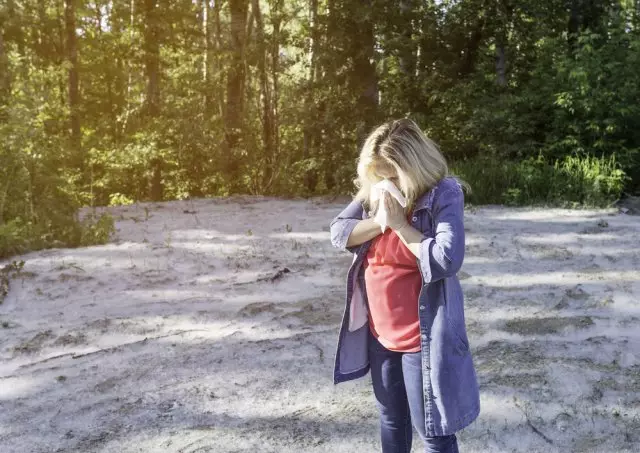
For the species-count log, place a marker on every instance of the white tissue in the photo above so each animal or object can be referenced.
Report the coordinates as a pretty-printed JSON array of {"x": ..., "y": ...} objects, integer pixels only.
[{"x": 377, "y": 192}]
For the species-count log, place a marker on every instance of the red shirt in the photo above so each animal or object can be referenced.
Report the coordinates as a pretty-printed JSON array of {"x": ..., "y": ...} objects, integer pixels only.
[{"x": 393, "y": 283}]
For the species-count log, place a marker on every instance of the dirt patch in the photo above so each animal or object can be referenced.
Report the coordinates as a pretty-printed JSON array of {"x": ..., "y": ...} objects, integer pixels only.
[
  {"x": 257, "y": 308},
  {"x": 501, "y": 356},
  {"x": 546, "y": 326},
  {"x": 101, "y": 325},
  {"x": 35, "y": 343},
  {"x": 71, "y": 339},
  {"x": 521, "y": 381},
  {"x": 107, "y": 384},
  {"x": 547, "y": 252},
  {"x": 312, "y": 315},
  {"x": 65, "y": 277}
]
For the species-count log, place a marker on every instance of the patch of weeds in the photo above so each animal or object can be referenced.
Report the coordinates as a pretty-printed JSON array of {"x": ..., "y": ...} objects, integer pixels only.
[
  {"x": 168, "y": 240},
  {"x": 35, "y": 343},
  {"x": 71, "y": 265},
  {"x": 256, "y": 308},
  {"x": 501, "y": 357},
  {"x": 70, "y": 339},
  {"x": 8, "y": 272},
  {"x": 545, "y": 326}
]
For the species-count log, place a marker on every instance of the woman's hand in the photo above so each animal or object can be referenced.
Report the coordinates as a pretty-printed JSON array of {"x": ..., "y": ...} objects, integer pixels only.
[{"x": 396, "y": 217}]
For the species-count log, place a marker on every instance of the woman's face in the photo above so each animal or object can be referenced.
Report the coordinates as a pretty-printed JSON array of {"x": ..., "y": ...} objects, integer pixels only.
[{"x": 386, "y": 171}]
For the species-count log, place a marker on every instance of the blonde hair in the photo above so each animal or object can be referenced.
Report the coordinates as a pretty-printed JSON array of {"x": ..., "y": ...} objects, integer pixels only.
[{"x": 402, "y": 145}]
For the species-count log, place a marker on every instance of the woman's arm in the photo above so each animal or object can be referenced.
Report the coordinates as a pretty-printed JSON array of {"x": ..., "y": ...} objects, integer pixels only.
[
  {"x": 440, "y": 256},
  {"x": 349, "y": 230},
  {"x": 364, "y": 231},
  {"x": 410, "y": 236}
]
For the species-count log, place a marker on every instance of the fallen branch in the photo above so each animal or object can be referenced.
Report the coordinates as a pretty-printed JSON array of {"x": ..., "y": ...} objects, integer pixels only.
[
  {"x": 115, "y": 348},
  {"x": 73, "y": 355},
  {"x": 277, "y": 276},
  {"x": 533, "y": 428}
]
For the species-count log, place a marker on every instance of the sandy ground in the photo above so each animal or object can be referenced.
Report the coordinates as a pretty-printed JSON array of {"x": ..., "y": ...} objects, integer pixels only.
[{"x": 210, "y": 326}]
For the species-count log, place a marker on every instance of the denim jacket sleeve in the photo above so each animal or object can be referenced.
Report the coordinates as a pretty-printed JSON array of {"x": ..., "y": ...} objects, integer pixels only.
[
  {"x": 342, "y": 226},
  {"x": 441, "y": 256}
]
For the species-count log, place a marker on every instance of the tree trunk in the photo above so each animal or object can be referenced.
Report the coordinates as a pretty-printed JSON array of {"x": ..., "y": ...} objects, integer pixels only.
[
  {"x": 234, "y": 113},
  {"x": 309, "y": 137},
  {"x": 364, "y": 78},
  {"x": 74, "y": 93},
  {"x": 207, "y": 58},
  {"x": 152, "y": 58},
  {"x": 265, "y": 95},
  {"x": 152, "y": 70},
  {"x": 468, "y": 62},
  {"x": 219, "y": 93},
  {"x": 573, "y": 26},
  {"x": 5, "y": 78},
  {"x": 275, "y": 68},
  {"x": 406, "y": 52},
  {"x": 501, "y": 64}
]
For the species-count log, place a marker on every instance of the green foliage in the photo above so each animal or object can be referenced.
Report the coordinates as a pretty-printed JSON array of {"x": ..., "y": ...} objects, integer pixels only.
[
  {"x": 171, "y": 106},
  {"x": 118, "y": 199},
  {"x": 19, "y": 236},
  {"x": 7, "y": 272},
  {"x": 95, "y": 230},
  {"x": 570, "y": 181}
]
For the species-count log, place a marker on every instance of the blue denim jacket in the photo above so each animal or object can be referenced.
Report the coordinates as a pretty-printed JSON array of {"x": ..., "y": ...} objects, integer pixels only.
[{"x": 451, "y": 394}]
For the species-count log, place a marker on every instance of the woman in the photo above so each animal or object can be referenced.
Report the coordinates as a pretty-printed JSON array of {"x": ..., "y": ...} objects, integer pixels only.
[{"x": 404, "y": 316}]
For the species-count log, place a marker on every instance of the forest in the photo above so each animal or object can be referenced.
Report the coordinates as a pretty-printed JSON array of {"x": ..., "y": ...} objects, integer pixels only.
[{"x": 112, "y": 102}]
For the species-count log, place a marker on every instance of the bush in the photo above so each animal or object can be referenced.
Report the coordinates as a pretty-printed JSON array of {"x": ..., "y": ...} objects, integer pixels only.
[
  {"x": 572, "y": 181},
  {"x": 18, "y": 236}
]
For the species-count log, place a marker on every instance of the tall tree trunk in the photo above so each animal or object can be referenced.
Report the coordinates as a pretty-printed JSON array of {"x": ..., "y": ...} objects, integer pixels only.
[
  {"x": 406, "y": 51},
  {"x": 265, "y": 95},
  {"x": 275, "y": 73},
  {"x": 501, "y": 63},
  {"x": 364, "y": 77},
  {"x": 60, "y": 58},
  {"x": 207, "y": 58},
  {"x": 573, "y": 25},
  {"x": 74, "y": 93},
  {"x": 127, "y": 94},
  {"x": 503, "y": 14},
  {"x": 219, "y": 88},
  {"x": 5, "y": 76},
  {"x": 13, "y": 28},
  {"x": 152, "y": 58},
  {"x": 117, "y": 94},
  {"x": 234, "y": 114},
  {"x": 468, "y": 62},
  {"x": 309, "y": 131},
  {"x": 152, "y": 70}
]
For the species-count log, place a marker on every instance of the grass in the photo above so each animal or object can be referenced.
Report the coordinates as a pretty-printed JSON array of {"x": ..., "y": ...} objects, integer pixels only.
[{"x": 573, "y": 181}]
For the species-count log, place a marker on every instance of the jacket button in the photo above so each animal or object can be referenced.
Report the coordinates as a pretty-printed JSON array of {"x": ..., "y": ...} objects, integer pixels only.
[
  {"x": 424, "y": 337},
  {"x": 422, "y": 307}
]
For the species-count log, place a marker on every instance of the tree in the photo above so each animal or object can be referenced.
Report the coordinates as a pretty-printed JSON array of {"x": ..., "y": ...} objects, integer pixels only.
[
  {"x": 74, "y": 91},
  {"x": 234, "y": 112}
]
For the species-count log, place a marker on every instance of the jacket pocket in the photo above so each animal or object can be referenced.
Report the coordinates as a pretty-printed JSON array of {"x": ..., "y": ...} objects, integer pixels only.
[{"x": 454, "y": 311}]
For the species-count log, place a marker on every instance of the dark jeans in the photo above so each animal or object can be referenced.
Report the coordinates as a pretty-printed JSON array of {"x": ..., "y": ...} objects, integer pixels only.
[{"x": 397, "y": 386}]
